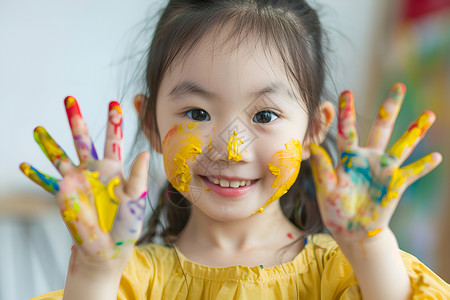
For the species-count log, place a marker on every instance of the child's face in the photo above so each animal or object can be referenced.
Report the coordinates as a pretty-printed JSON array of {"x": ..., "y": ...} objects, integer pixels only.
[{"x": 244, "y": 112}]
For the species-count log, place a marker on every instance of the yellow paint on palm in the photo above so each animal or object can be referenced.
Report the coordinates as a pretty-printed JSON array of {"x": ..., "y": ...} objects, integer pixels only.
[
  {"x": 233, "y": 147},
  {"x": 285, "y": 165},
  {"x": 188, "y": 145},
  {"x": 415, "y": 131},
  {"x": 69, "y": 214},
  {"x": 106, "y": 202}
]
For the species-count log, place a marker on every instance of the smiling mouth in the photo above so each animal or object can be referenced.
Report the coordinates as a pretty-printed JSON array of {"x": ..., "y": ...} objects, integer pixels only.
[{"x": 228, "y": 183}]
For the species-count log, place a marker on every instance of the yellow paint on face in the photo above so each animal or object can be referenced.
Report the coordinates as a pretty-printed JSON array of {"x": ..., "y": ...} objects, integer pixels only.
[
  {"x": 233, "y": 147},
  {"x": 180, "y": 146},
  {"x": 106, "y": 202},
  {"x": 285, "y": 165}
]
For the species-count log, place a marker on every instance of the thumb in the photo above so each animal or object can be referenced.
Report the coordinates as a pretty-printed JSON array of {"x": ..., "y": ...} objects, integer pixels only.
[
  {"x": 137, "y": 181},
  {"x": 322, "y": 169}
]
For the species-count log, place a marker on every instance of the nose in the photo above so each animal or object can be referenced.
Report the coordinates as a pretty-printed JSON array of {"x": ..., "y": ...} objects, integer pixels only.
[{"x": 230, "y": 143}]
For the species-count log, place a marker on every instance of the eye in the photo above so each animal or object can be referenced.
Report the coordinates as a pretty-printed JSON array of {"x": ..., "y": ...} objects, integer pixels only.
[
  {"x": 197, "y": 114},
  {"x": 265, "y": 116}
]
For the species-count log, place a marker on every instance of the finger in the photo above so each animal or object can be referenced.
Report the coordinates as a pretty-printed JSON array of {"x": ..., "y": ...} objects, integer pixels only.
[
  {"x": 47, "y": 182},
  {"x": 387, "y": 114},
  {"x": 323, "y": 171},
  {"x": 405, "y": 176},
  {"x": 416, "y": 131},
  {"x": 113, "y": 143},
  {"x": 137, "y": 182},
  {"x": 347, "y": 132},
  {"x": 52, "y": 150},
  {"x": 416, "y": 170},
  {"x": 128, "y": 224},
  {"x": 83, "y": 144}
]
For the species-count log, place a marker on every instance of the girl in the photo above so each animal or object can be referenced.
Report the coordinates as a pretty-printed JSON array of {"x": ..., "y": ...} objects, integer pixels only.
[{"x": 234, "y": 106}]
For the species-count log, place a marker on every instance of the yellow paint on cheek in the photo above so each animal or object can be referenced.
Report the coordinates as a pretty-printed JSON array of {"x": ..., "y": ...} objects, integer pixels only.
[
  {"x": 188, "y": 145},
  {"x": 285, "y": 165},
  {"x": 233, "y": 147}
]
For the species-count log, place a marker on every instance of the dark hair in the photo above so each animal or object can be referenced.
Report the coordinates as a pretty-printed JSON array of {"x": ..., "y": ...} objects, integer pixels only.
[{"x": 290, "y": 27}]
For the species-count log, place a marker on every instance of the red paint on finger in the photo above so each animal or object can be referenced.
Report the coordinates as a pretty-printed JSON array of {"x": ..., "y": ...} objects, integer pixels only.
[
  {"x": 72, "y": 109},
  {"x": 116, "y": 149},
  {"x": 115, "y": 118}
]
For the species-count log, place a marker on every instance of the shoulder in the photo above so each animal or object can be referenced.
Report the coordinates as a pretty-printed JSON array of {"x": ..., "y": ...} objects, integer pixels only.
[
  {"x": 322, "y": 246},
  {"x": 152, "y": 256}
]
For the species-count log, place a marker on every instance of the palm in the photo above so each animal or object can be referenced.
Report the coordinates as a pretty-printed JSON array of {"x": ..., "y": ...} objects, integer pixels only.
[
  {"x": 358, "y": 198},
  {"x": 101, "y": 209}
]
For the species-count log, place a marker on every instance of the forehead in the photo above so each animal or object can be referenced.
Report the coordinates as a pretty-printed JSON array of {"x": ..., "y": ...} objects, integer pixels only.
[{"x": 223, "y": 53}]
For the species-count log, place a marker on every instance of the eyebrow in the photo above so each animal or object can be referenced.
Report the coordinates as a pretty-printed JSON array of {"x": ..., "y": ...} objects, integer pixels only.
[
  {"x": 189, "y": 87},
  {"x": 275, "y": 88}
]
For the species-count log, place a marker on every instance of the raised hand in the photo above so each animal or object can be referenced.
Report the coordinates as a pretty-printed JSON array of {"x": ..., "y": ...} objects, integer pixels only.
[
  {"x": 358, "y": 198},
  {"x": 102, "y": 210}
]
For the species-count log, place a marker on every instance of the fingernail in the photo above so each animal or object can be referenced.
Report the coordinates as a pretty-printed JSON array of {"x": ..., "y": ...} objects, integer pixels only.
[
  {"x": 115, "y": 105},
  {"x": 397, "y": 91},
  {"x": 69, "y": 101},
  {"x": 344, "y": 98}
]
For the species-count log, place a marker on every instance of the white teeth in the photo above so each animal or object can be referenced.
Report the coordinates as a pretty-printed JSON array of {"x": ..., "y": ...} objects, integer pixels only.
[
  {"x": 226, "y": 183},
  {"x": 234, "y": 184}
]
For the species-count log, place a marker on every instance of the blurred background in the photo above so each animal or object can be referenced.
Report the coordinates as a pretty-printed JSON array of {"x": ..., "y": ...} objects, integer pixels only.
[{"x": 92, "y": 50}]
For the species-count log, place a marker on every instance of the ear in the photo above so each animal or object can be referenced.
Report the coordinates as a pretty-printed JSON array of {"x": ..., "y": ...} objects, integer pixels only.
[
  {"x": 320, "y": 127},
  {"x": 149, "y": 129}
]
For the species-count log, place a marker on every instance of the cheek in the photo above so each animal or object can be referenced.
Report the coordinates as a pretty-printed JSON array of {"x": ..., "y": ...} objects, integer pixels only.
[
  {"x": 284, "y": 165},
  {"x": 180, "y": 147}
]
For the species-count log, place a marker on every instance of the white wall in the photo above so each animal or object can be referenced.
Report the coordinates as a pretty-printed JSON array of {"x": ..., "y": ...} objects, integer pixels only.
[{"x": 50, "y": 49}]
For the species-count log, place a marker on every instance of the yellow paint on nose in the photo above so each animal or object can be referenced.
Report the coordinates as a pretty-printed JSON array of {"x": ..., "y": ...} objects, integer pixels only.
[{"x": 233, "y": 147}]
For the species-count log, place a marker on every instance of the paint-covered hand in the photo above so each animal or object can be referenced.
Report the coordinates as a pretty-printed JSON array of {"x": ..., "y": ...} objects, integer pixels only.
[
  {"x": 358, "y": 198},
  {"x": 102, "y": 210}
]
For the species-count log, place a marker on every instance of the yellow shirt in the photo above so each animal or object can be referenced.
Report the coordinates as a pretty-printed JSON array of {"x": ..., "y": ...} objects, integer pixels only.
[{"x": 320, "y": 271}]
